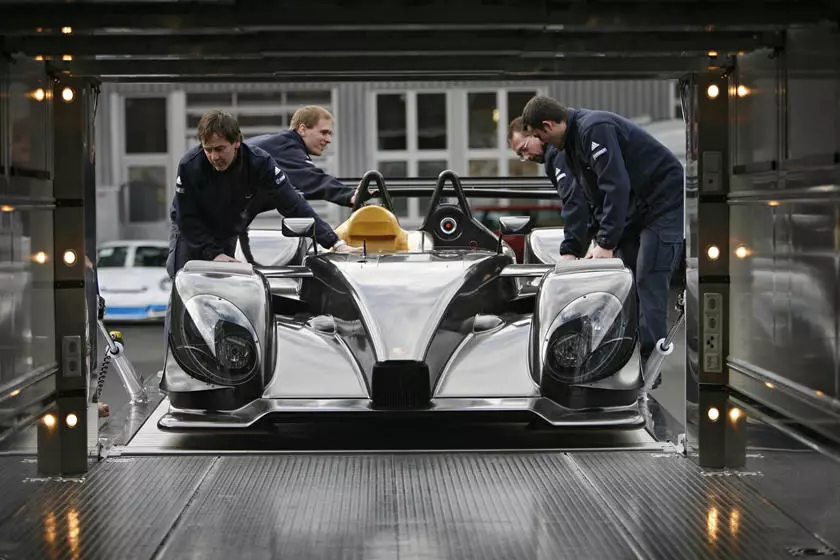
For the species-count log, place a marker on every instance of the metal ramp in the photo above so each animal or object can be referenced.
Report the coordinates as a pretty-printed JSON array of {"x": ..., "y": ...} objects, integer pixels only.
[
  {"x": 595, "y": 495},
  {"x": 488, "y": 505}
]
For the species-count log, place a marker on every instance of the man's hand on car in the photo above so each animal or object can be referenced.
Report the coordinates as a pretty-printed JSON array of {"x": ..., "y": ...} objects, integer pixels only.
[
  {"x": 568, "y": 257},
  {"x": 598, "y": 252},
  {"x": 343, "y": 247},
  {"x": 221, "y": 257},
  {"x": 358, "y": 190}
]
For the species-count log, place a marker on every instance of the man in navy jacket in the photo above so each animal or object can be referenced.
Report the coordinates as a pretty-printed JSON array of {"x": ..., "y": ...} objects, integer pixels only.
[
  {"x": 220, "y": 187},
  {"x": 634, "y": 185},
  {"x": 575, "y": 209},
  {"x": 309, "y": 134}
]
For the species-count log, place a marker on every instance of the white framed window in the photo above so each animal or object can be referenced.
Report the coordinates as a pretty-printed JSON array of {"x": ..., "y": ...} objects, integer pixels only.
[
  {"x": 411, "y": 139},
  {"x": 142, "y": 131},
  {"x": 419, "y": 133}
]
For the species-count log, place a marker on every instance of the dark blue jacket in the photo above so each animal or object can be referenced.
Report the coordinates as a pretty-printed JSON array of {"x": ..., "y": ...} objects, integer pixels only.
[
  {"x": 629, "y": 177},
  {"x": 289, "y": 151},
  {"x": 575, "y": 211},
  {"x": 211, "y": 208}
]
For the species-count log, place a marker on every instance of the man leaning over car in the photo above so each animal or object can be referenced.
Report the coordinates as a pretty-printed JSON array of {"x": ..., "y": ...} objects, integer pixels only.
[
  {"x": 578, "y": 223},
  {"x": 309, "y": 134},
  {"x": 636, "y": 185},
  {"x": 220, "y": 188}
]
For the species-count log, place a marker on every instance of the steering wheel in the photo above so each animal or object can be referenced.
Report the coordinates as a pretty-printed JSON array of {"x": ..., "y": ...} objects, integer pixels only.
[
  {"x": 365, "y": 194},
  {"x": 453, "y": 225}
]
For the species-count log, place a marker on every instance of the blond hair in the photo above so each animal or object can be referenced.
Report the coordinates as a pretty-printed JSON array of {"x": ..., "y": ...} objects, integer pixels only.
[{"x": 309, "y": 116}]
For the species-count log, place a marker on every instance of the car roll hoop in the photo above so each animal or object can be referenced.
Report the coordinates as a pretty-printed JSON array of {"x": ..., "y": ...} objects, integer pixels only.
[{"x": 365, "y": 194}]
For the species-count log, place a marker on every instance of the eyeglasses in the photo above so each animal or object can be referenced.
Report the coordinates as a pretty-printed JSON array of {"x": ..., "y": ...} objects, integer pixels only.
[{"x": 523, "y": 157}]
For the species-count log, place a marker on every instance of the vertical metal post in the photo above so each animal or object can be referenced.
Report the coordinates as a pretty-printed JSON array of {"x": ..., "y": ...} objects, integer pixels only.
[
  {"x": 62, "y": 433},
  {"x": 718, "y": 435}
]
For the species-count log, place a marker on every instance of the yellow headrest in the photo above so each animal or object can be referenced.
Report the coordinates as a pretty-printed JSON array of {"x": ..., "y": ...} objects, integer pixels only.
[{"x": 376, "y": 227}]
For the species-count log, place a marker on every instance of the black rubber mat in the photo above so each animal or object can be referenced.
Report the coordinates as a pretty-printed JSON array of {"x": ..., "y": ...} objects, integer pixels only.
[
  {"x": 455, "y": 506},
  {"x": 123, "y": 509},
  {"x": 673, "y": 510}
]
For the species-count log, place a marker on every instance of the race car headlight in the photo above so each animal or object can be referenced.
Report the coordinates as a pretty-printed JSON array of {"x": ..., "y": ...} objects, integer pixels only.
[
  {"x": 591, "y": 338},
  {"x": 216, "y": 341}
]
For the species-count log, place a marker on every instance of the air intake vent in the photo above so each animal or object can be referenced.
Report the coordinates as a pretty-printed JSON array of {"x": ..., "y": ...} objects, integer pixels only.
[{"x": 400, "y": 385}]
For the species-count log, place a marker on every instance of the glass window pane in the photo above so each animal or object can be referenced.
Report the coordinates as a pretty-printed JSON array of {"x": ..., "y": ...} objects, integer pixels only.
[
  {"x": 145, "y": 125},
  {"x": 192, "y": 122},
  {"x": 259, "y": 98},
  {"x": 146, "y": 193},
  {"x": 150, "y": 257},
  {"x": 390, "y": 122},
  {"x": 483, "y": 120},
  {"x": 517, "y": 101},
  {"x": 273, "y": 121},
  {"x": 518, "y": 168},
  {"x": 484, "y": 168},
  {"x": 27, "y": 321},
  {"x": 395, "y": 170},
  {"x": 431, "y": 121},
  {"x": 321, "y": 97},
  {"x": 111, "y": 257},
  {"x": 431, "y": 168},
  {"x": 29, "y": 111}
]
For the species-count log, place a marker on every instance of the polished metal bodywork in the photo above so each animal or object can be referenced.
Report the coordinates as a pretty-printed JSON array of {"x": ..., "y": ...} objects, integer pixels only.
[{"x": 326, "y": 333}]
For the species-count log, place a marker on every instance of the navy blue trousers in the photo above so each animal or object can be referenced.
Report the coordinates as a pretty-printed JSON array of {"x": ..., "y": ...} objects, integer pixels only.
[{"x": 653, "y": 254}]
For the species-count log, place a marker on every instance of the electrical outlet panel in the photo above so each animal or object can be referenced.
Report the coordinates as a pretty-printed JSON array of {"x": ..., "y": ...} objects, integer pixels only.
[
  {"x": 712, "y": 362},
  {"x": 71, "y": 356},
  {"x": 712, "y": 332}
]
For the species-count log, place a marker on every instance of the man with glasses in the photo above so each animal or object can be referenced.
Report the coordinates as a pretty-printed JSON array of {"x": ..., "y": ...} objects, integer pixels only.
[
  {"x": 637, "y": 186},
  {"x": 575, "y": 209}
]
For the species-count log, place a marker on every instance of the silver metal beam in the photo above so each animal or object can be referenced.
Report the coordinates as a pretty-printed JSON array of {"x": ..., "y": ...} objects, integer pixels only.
[
  {"x": 392, "y": 43},
  {"x": 382, "y": 67}
]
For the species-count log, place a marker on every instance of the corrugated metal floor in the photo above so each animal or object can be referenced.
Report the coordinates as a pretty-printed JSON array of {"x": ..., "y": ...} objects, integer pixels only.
[{"x": 454, "y": 505}]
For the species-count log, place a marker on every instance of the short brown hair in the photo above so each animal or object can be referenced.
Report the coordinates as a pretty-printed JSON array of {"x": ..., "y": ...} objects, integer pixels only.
[
  {"x": 540, "y": 109},
  {"x": 514, "y": 127},
  {"x": 309, "y": 116},
  {"x": 221, "y": 123}
]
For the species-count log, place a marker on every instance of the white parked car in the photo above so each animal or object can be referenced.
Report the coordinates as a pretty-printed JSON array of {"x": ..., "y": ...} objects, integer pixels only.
[{"x": 133, "y": 280}]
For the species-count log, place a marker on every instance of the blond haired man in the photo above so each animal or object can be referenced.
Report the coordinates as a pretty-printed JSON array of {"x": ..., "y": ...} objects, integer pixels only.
[{"x": 309, "y": 134}]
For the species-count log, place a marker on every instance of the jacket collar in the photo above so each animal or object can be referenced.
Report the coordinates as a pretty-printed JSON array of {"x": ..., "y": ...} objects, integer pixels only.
[
  {"x": 570, "y": 142},
  {"x": 297, "y": 138}
]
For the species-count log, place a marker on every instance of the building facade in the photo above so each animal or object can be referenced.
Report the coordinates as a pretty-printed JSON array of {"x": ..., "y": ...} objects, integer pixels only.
[{"x": 403, "y": 129}]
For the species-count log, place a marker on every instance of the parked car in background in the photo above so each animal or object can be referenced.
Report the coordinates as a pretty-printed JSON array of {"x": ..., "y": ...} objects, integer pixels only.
[
  {"x": 133, "y": 280},
  {"x": 541, "y": 216}
]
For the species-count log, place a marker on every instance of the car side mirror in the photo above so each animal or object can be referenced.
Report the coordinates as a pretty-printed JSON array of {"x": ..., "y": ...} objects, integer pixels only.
[
  {"x": 299, "y": 227},
  {"x": 512, "y": 225}
]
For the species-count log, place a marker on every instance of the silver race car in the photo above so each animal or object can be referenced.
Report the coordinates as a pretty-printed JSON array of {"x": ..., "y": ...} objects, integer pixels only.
[{"x": 441, "y": 320}]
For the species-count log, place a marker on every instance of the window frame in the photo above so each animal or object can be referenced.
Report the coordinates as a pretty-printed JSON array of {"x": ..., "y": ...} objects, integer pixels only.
[{"x": 457, "y": 153}]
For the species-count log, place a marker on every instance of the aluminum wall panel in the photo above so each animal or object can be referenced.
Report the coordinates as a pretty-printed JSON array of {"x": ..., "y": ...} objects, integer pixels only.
[
  {"x": 755, "y": 115},
  {"x": 813, "y": 94},
  {"x": 785, "y": 227},
  {"x": 631, "y": 98},
  {"x": 351, "y": 129}
]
